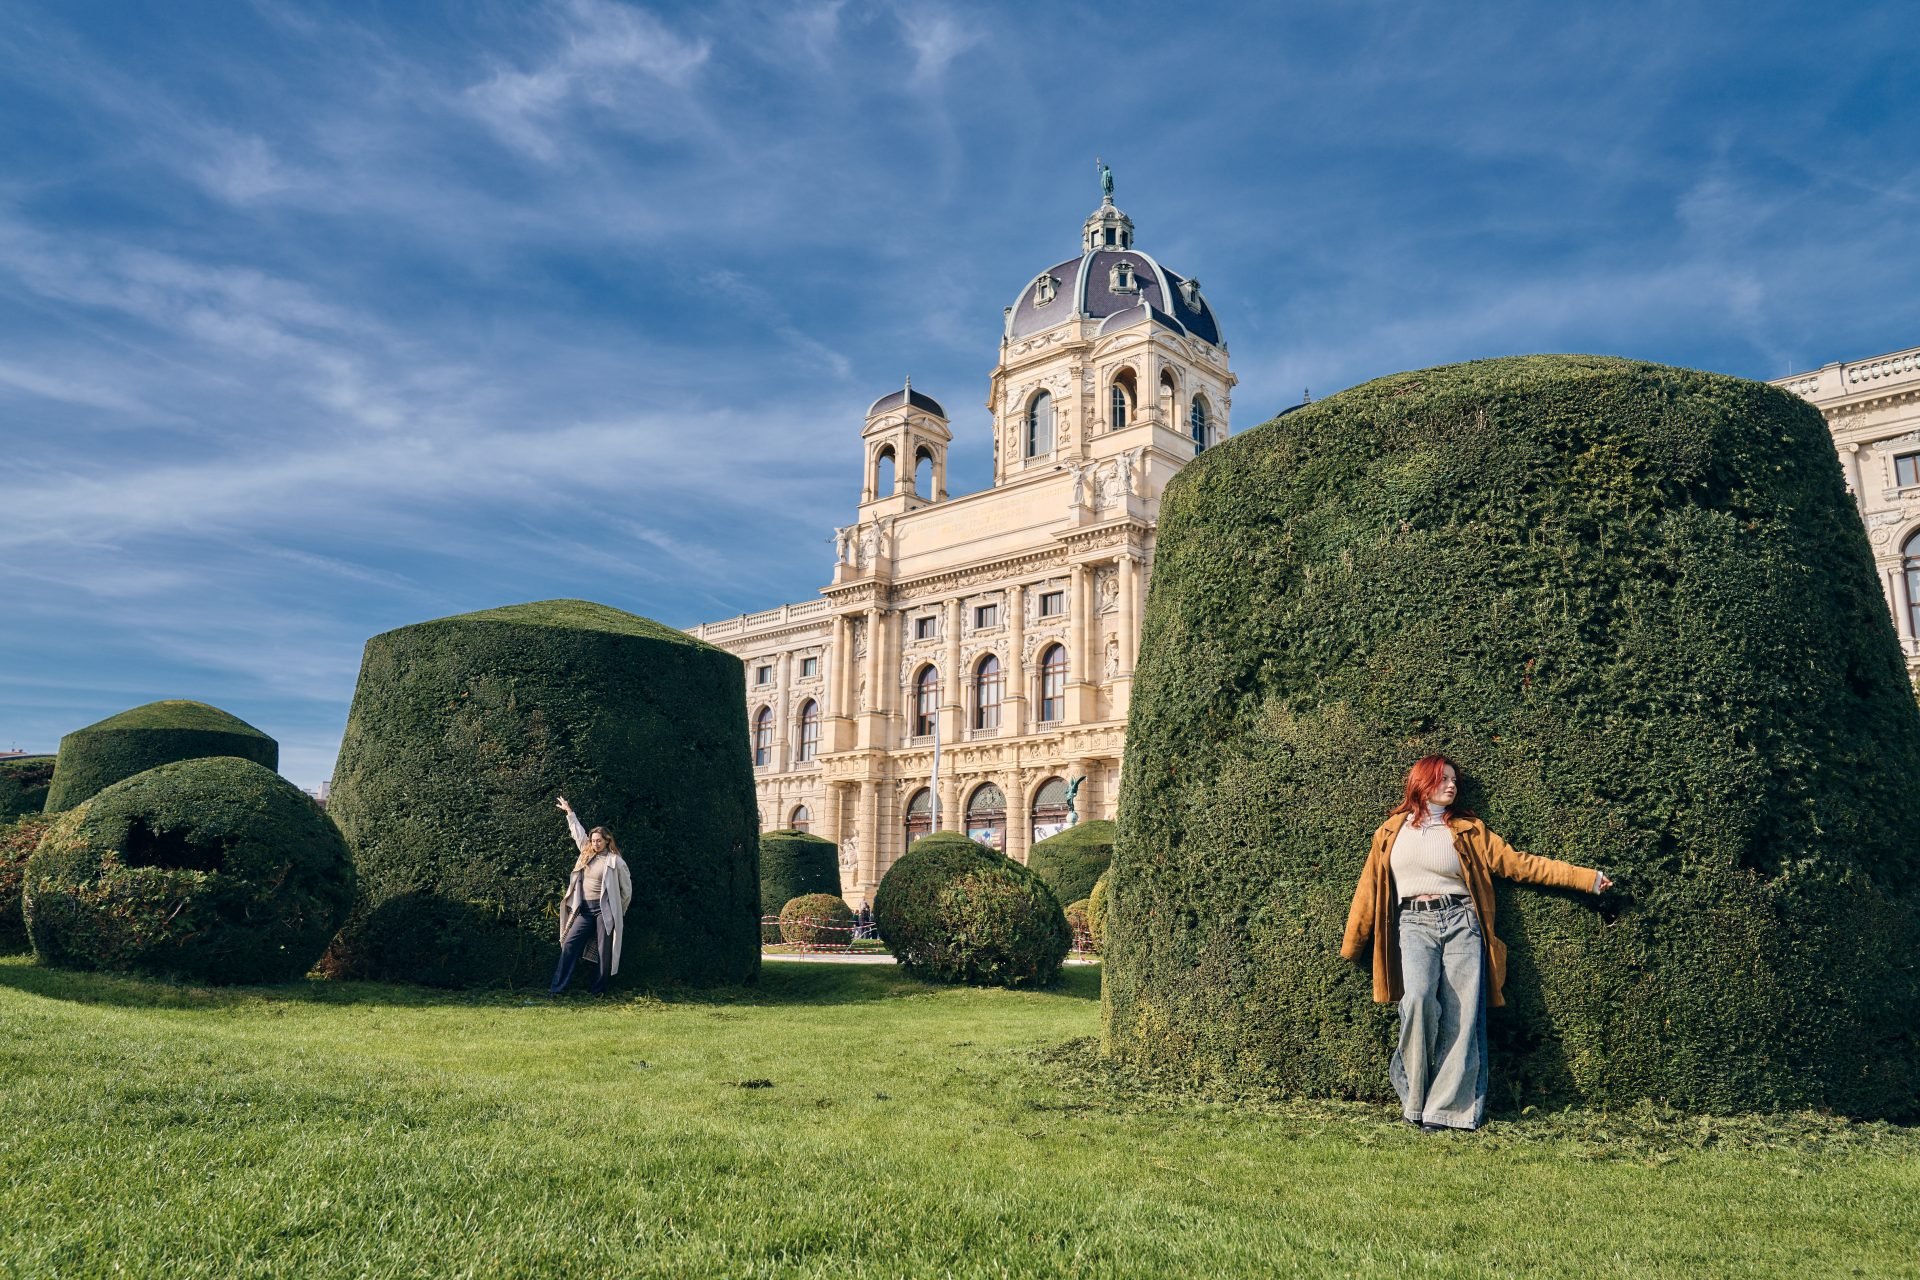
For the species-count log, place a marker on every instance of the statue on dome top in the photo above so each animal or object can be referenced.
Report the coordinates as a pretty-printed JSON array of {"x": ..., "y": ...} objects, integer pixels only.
[{"x": 1106, "y": 181}]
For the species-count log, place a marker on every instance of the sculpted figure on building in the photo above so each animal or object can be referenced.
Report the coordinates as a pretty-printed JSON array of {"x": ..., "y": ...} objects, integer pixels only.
[{"x": 1004, "y": 623}]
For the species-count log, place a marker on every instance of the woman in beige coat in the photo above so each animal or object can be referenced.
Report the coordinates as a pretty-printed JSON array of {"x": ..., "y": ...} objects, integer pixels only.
[{"x": 594, "y": 910}]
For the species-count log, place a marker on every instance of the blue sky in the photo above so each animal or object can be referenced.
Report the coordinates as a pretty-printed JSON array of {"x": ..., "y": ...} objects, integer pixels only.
[{"x": 317, "y": 320}]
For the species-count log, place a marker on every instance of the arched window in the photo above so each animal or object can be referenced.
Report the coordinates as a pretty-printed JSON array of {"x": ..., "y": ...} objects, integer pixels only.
[
  {"x": 1197, "y": 423},
  {"x": 1053, "y": 683},
  {"x": 987, "y": 816},
  {"x": 801, "y": 819},
  {"x": 1120, "y": 400},
  {"x": 883, "y": 467},
  {"x": 1050, "y": 808},
  {"x": 989, "y": 682},
  {"x": 926, "y": 701},
  {"x": 923, "y": 474},
  {"x": 1910, "y": 562},
  {"x": 1040, "y": 425},
  {"x": 1169, "y": 397},
  {"x": 919, "y": 814},
  {"x": 809, "y": 729},
  {"x": 763, "y": 736}
]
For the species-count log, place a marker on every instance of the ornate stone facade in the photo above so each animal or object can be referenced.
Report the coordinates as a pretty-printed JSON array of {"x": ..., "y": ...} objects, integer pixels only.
[
  {"x": 1872, "y": 407},
  {"x": 1002, "y": 624}
]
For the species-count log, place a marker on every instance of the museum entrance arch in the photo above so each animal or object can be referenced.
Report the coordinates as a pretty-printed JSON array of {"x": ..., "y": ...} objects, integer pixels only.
[
  {"x": 987, "y": 816},
  {"x": 919, "y": 816},
  {"x": 1050, "y": 808}
]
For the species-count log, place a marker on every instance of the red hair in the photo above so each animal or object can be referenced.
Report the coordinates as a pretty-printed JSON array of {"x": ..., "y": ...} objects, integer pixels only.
[{"x": 1425, "y": 778}]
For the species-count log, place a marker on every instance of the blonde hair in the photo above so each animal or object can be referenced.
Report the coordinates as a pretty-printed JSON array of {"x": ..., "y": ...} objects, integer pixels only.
[{"x": 613, "y": 846}]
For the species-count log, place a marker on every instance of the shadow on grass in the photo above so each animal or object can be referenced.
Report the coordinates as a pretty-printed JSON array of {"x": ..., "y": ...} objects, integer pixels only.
[{"x": 781, "y": 983}]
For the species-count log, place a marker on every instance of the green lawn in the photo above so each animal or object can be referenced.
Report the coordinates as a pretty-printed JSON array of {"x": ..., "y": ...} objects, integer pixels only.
[{"x": 837, "y": 1121}]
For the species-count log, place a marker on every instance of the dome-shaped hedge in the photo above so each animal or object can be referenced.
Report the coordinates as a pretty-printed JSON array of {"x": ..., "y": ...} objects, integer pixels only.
[
  {"x": 17, "y": 843},
  {"x": 217, "y": 870},
  {"x": 24, "y": 782},
  {"x": 462, "y": 732},
  {"x": 140, "y": 739},
  {"x": 1637, "y": 606},
  {"x": 793, "y": 863},
  {"x": 952, "y": 910},
  {"x": 816, "y": 919},
  {"x": 1078, "y": 925},
  {"x": 1072, "y": 860}
]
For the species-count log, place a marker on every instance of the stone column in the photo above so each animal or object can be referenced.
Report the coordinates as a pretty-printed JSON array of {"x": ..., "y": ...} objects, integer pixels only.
[
  {"x": 1019, "y": 824},
  {"x": 1850, "y": 463},
  {"x": 1129, "y": 613},
  {"x": 869, "y": 837},
  {"x": 950, "y": 817},
  {"x": 837, "y": 668},
  {"x": 953, "y": 683},
  {"x": 1902, "y": 606},
  {"x": 871, "y": 738},
  {"x": 1013, "y": 702},
  {"x": 782, "y": 706}
]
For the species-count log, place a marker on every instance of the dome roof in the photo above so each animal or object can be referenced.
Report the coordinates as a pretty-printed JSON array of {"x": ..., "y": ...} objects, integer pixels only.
[
  {"x": 1106, "y": 282},
  {"x": 906, "y": 395}
]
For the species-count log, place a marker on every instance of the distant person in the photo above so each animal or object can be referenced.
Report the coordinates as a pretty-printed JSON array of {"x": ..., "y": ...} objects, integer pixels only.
[
  {"x": 1425, "y": 903},
  {"x": 595, "y": 907}
]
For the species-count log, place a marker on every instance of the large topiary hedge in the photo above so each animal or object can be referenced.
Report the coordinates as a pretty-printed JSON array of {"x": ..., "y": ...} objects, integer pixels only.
[
  {"x": 793, "y": 863},
  {"x": 462, "y": 732},
  {"x": 24, "y": 782},
  {"x": 216, "y": 869},
  {"x": 155, "y": 734},
  {"x": 816, "y": 920},
  {"x": 1636, "y": 604},
  {"x": 953, "y": 910},
  {"x": 17, "y": 842},
  {"x": 1072, "y": 860}
]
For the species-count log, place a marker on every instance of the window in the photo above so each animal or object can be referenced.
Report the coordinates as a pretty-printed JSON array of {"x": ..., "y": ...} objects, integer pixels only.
[
  {"x": 763, "y": 737},
  {"x": 1043, "y": 289},
  {"x": 987, "y": 816},
  {"x": 1040, "y": 425},
  {"x": 1906, "y": 469},
  {"x": 989, "y": 682},
  {"x": 809, "y": 730},
  {"x": 919, "y": 814},
  {"x": 1053, "y": 683},
  {"x": 926, "y": 701},
  {"x": 1049, "y": 812},
  {"x": 1117, "y": 408},
  {"x": 923, "y": 628},
  {"x": 763, "y": 675},
  {"x": 1109, "y": 235},
  {"x": 809, "y": 668},
  {"x": 800, "y": 821},
  {"x": 1121, "y": 280},
  {"x": 1053, "y": 603},
  {"x": 1190, "y": 294},
  {"x": 1910, "y": 561},
  {"x": 986, "y": 615},
  {"x": 1197, "y": 424}
]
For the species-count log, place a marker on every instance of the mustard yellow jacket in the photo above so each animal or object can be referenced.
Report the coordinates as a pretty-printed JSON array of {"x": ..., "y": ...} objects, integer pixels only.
[{"x": 1483, "y": 855}]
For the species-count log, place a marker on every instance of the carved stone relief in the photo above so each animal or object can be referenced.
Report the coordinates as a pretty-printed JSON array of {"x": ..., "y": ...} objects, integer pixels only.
[
  {"x": 1113, "y": 655},
  {"x": 1106, "y": 586}
]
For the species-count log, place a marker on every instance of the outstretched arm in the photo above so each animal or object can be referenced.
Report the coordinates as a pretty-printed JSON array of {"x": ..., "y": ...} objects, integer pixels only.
[
  {"x": 1514, "y": 865},
  {"x": 573, "y": 825}
]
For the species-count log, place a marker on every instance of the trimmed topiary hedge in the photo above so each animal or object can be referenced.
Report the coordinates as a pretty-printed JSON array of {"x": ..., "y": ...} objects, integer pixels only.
[
  {"x": 140, "y": 739},
  {"x": 1078, "y": 925},
  {"x": 952, "y": 910},
  {"x": 216, "y": 870},
  {"x": 462, "y": 732},
  {"x": 816, "y": 919},
  {"x": 1097, "y": 911},
  {"x": 17, "y": 843},
  {"x": 793, "y": 863},
  {"x": 23, "y": 785},
  {"x": 1072, "y": 860},
  {"x": 1637, "y": 606}
]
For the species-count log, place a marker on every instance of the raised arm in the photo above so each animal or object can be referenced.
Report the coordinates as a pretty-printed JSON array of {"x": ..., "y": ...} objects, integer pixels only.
[{"x": 579, "y": 832}]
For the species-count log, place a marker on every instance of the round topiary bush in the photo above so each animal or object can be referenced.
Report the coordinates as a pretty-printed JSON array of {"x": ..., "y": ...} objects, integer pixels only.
[
  {"x": 462, "y": 732},
  {"x": 216, "y": 870},
  {"x": 816, "y": 920},
  {"x": 793, "y": 863},
  {"x": 140, "y": 739},
  {"x": 24, "y": 783},
  {"x": 1097, "y": 911},
  {"x": 1072, "y": 860},
  {"x": 1637, "y": 606},
  {"x": 1077, "y": 925},
  {"x": 952, "y": 910},
  {"x": 17, "y": 843}
]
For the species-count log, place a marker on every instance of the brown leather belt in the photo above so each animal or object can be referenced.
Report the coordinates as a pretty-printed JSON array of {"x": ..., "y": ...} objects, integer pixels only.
[{"x": 1441, "y": 903}]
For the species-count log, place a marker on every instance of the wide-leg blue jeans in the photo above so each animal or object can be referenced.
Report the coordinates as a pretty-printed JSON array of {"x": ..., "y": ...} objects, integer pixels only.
[
  {"x": 581, "y": 930},
  {"x": 1440, "y": 1067}
]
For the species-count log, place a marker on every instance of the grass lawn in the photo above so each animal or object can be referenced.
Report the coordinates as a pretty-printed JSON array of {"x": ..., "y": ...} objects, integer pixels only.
[{"x": 840, "y": 1120}]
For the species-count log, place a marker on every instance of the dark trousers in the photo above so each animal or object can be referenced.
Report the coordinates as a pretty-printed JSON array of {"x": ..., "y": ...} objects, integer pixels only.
[{"x": 584, "y": 929}]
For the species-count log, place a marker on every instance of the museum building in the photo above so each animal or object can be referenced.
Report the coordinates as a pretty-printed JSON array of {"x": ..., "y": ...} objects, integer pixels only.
[{"x": 998, "y": 626}]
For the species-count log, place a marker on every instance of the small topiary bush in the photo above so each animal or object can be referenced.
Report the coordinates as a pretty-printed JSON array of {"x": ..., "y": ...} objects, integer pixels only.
[
  {"x": 952, "y": 910},
  {"x": 17, "y": 843},
  {"x": 215, "y": 870},
  {"x": 815, "y": 920},
  {"x": 1638, "y": 607},
  {"x": 23, "y": 785},
  {"x": 144, "y": 737},
  {"x": 462, "y": 732},
  {"x": 1097, "y": 911},
  {"x": 793, "y": 863},
  {"x": 1072, "y": 860},
  {"x": 1076, "y": 913}
]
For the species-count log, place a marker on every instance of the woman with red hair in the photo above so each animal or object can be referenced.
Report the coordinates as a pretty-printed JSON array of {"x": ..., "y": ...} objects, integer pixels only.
[{"x": 1424, "y": 908}]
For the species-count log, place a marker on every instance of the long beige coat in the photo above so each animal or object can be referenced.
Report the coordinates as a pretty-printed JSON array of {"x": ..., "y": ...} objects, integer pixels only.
[{"x": 616, "y": 893}]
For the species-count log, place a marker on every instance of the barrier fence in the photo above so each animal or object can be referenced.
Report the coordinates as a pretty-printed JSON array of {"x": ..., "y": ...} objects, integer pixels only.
[{"x": 838, "y": 936}]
